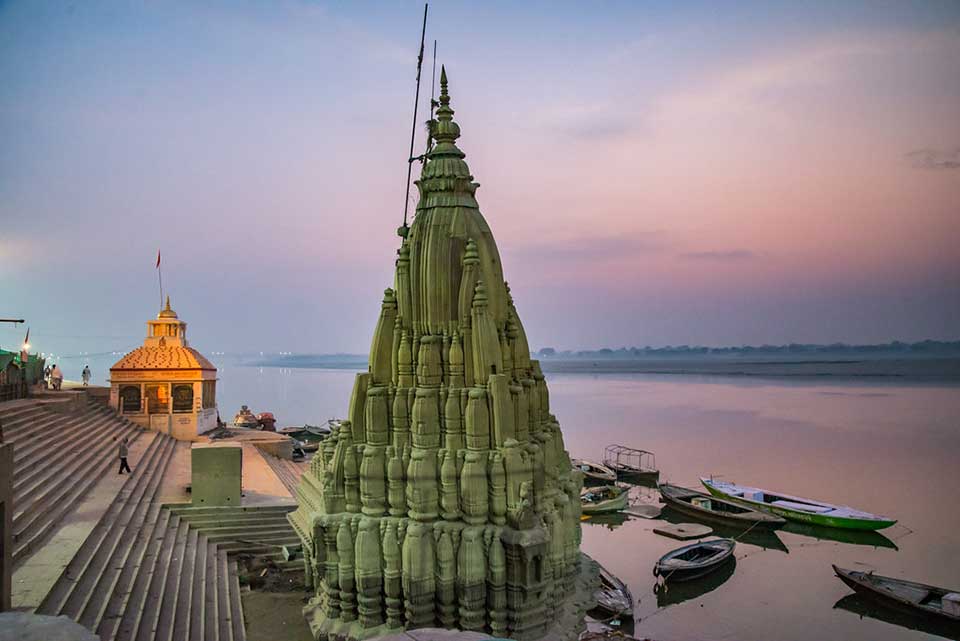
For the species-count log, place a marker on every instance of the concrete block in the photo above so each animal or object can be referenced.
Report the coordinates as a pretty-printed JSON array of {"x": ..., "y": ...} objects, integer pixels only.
[
  {"x": 216, "y": 472},
  {"x": 24, "y": 626},
  {"x": 683, "y": 531}
]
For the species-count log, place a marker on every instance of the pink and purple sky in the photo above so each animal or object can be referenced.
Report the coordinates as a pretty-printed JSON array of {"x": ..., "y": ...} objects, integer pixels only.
[{"x": 655, "y": 173}]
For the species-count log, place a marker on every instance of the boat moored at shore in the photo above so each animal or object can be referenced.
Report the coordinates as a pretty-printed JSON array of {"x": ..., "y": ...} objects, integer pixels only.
[
  {"x": 593, "y": 472},
  {"x": 631, "y": 463},
  {"x": 937, "y": 604},
  {"x": 695, "y": 560},
  {"x": 703, "y": 506},
  {"x": 796, "y": 508},
  {"x": 606, "y": 498}
]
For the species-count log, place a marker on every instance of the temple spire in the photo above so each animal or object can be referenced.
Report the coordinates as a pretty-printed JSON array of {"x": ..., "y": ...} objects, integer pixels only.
[
  {"x": 445, "y": 130},
  {"x": 167, "y": 311},
  {"x": 444, "y": 90}
]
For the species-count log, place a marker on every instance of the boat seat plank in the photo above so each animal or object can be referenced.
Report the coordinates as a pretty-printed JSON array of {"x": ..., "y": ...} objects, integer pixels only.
[
  {"x": 803, "y": 507},
  {"x": 906, "y": 592}
]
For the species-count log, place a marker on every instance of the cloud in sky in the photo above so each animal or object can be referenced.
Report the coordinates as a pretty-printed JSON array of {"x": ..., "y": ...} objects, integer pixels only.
[{"x": 935, "y": 158}]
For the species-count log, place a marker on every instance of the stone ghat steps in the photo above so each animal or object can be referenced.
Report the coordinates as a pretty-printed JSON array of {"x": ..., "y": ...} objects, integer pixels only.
[
  {"x": 288, "y": 472},
  {"x": 58, "y": 459},
  {"x": 15, "y": 417},
  {"x": 145, "y": 574},
  {"x": 93, "y": 573},
  {"x": 255, "y": 530}
]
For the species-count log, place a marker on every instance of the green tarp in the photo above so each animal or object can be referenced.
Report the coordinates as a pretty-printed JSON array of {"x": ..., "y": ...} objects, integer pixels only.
[{"x": 33, "y": 369}]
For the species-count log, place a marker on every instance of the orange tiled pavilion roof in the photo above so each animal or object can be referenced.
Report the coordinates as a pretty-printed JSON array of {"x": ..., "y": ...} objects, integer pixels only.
[{"x": 172, "y": 357}]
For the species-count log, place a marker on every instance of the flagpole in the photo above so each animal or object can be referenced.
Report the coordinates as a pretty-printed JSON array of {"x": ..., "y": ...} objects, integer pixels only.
[{"x": 160, "y": 278}]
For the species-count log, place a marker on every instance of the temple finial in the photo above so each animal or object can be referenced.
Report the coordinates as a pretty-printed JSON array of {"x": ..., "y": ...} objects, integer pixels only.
[
  {"x": 445, "y": 130},
  {"x": 167, "y": 308}
]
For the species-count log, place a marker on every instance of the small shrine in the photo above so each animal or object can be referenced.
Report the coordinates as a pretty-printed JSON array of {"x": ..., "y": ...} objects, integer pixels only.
[
  {"x": 447, "y": 499},
  {"x": 166, "y": 385}
]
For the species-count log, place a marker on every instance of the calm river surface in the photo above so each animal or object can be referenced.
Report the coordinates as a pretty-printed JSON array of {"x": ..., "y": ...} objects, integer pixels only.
[{"x": 892, "y": 449}]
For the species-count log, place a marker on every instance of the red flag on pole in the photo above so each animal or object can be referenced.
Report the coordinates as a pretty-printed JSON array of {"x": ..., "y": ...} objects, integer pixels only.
[{"x": 158, "y": 259}]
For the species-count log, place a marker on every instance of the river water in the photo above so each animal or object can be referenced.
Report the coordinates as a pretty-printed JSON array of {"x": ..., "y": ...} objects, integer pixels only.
[{"x": 891, "y": 449}]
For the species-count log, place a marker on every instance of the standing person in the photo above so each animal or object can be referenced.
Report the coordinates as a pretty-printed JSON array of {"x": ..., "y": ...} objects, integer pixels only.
[
  {"x": 56, "y": 377},
  {"x": 123, "y": 457},
  {"x": 46, "y": 377},
  {"x": 86, "y": 375}
]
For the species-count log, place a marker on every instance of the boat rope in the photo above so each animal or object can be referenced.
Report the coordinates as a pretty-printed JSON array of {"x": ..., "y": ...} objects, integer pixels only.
[
  {"x": 905, "y": 534},
  {"x": 744, "y": 533}
]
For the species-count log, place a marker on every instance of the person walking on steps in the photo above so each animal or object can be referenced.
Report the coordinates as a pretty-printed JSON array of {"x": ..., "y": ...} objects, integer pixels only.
[
  {"x": 56, "y": 376},
  {"x": 86, "y": 375},
  {"x": 123, "y": 457}
]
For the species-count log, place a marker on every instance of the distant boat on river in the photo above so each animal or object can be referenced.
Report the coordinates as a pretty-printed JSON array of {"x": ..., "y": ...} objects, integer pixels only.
[{"x": 798, "y": 509}]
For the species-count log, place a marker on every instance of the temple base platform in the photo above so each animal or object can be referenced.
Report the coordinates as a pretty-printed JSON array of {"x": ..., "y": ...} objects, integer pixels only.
[{"x": 566, "y": 624}]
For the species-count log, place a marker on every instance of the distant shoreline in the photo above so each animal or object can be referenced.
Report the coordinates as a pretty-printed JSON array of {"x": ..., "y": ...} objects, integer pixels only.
[{"x": 873, "y": 367}]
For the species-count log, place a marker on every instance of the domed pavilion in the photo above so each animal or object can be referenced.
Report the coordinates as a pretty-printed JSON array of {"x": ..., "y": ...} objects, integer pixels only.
[
  {"x": 446, "y": 498},
  {"x": 166, "y": 385}
]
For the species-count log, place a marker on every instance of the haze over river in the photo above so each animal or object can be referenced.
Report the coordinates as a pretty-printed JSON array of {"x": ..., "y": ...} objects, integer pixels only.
[{"x": 884, "y": 447}]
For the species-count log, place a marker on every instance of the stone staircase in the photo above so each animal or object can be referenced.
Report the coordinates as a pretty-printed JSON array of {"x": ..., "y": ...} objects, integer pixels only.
[
  {"x": 58, "y": 458},
  {"x": 287, "y": 471},
  {"x": 258, "y": 530},
  {"x": 144, "y": 574}
]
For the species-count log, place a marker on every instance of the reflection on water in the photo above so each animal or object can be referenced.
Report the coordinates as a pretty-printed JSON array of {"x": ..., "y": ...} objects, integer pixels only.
[
  {"x": 864, "y": 607},
  {"x": 852, "y": 537},
  {"x": 884, "y": 448},
  {"x": 763, "y": 538},
  {"x": 674, "y": 593},
  {"x": 888, "y": 449},
  {"x": 609, "y": 521}
]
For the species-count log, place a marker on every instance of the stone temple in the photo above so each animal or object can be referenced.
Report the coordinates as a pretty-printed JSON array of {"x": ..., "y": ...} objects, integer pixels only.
[{"x": 446, "y": 499}]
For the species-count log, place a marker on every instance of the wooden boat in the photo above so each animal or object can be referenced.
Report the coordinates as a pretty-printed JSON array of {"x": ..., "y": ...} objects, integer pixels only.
[
  {"x": 606, "y": 498},
  {"x": 309, "y": 436},
  {"x": 930, "y": 601},
  {"x": 685, "y": 591},
  {"x": 703, "y": 506},
  {"x": 631, "y": 463},
  {"x": 594, "y": 472},
  {"x": 694, "y": 561},
  {"x": 797, "y": 509},
  {"x": 613, "y": 597}
]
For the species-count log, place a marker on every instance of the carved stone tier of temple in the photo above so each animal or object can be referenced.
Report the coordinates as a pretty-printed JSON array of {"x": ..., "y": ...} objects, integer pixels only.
[{"x": 446, "y": 499}]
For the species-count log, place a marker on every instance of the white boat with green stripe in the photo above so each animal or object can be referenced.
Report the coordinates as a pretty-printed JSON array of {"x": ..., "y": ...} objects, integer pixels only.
[{"x": 796, "y": 508}]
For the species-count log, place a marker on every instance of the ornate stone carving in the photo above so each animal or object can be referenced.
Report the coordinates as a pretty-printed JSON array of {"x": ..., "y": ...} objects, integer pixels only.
[{"x": 446, "y": 497}]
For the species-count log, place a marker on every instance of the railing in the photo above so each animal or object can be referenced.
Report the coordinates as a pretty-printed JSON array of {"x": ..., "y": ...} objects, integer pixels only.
[{"x": 13, "y": 391}]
